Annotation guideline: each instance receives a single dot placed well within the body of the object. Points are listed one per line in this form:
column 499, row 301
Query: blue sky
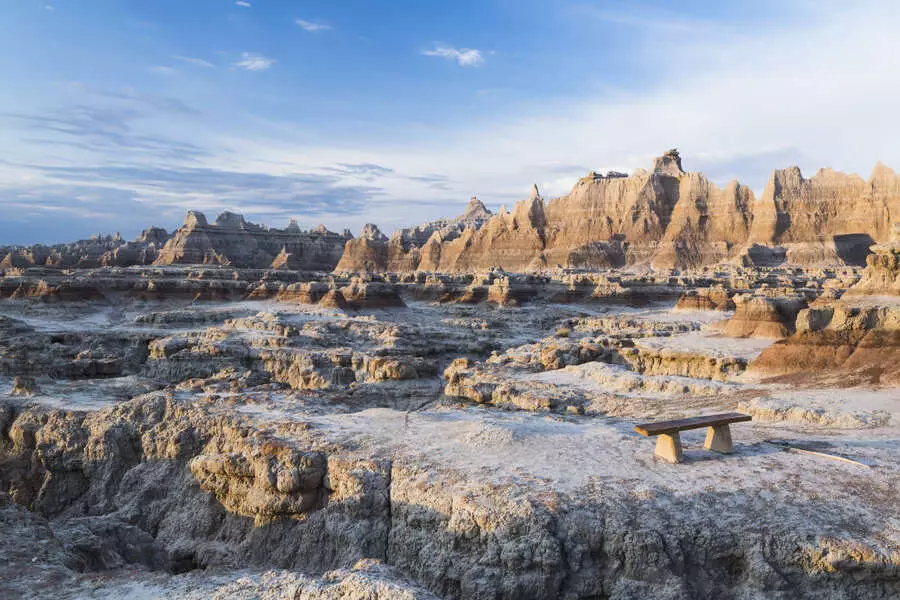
column 115, row 115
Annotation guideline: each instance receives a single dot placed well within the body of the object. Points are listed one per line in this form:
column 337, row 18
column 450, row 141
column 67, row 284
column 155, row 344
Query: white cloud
column 162, row 70
column 312, row 26
column 466, row 57
column 254, row 62
column 243, row 3
column 197, row 62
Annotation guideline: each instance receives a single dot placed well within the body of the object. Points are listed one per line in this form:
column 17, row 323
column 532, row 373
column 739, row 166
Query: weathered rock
column 842, row 344
column 231, row 240
column 882, row 273
column 665, row 218
column 765, row 313
column 714, row 298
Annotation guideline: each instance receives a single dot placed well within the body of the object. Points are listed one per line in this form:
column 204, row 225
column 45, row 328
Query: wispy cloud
column 364, row 171
column 312, row 25
column 106, row 123
column 466, row 57
column 434, row 181
column 197, row 62
column 134, row 98
column 162, row 70
column 251, row 61
column 243, row 3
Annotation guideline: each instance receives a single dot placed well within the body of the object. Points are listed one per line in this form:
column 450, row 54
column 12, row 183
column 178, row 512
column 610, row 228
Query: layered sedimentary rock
column 410, row 249
column 664, row 218
column 231, row 240
column 368, row 252
column 852, row 339
column 829, row 216
column 766, row 313
column 106, row 251
column 882, row 272
column 843, row 345
column 150, row 442
column 712, row 298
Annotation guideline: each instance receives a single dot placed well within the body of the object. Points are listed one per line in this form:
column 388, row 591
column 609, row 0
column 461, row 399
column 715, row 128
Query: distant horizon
column 119, row 114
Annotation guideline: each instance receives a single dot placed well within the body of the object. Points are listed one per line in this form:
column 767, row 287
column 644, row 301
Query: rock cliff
column 664, row 218
column 231, row 240
column 882, row 273
column 413, row 248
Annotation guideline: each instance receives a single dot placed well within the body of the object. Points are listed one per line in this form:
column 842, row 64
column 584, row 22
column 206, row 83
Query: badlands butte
column 236, row 411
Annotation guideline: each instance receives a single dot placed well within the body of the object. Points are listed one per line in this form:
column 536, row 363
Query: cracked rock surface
column 220, row 432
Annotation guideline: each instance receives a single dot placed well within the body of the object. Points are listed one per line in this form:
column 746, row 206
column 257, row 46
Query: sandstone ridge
column 664, row 218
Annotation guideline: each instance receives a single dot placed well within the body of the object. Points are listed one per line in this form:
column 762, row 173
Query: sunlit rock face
column 853, row 338
column 882, row 272
column 663, row 218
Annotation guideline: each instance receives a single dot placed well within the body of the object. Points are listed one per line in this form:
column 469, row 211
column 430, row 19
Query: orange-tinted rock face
column 767, row 313
column 882, row 273
column 664, row 218
column 850, row 344
column 714, row 298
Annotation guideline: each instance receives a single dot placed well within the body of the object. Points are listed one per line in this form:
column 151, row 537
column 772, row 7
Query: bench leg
column 718, row 439
column 668, row 447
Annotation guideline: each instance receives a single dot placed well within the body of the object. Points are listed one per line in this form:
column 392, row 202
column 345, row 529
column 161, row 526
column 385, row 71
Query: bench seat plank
column 668, row 427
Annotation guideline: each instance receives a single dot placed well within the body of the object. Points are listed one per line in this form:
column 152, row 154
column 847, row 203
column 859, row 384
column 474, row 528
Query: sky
column 120, row 114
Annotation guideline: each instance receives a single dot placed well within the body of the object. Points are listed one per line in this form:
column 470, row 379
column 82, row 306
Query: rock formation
column 106, row 251
column 455, row 426
column 154, row 436
column 766, row 313
column 231, row 240
column 843, row 344
column 663, row 218
column 882, row 272
column 711, row 298
column 409, row 249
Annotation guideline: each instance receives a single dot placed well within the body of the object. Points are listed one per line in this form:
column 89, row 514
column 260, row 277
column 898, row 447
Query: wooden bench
column 718, row 436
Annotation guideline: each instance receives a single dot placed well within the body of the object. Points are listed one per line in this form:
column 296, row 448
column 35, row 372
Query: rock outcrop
column 231, row 240
column 765, row 313
column 155, row 442
column 712, row 298
column 410, row 249
column 663, row 218
column 882, row 273
column 841, row 345
column 99, row 251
